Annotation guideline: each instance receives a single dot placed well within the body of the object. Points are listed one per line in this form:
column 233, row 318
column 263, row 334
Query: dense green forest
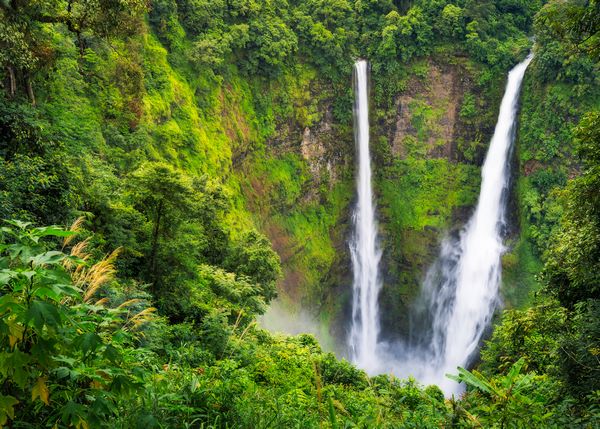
column 169, row 167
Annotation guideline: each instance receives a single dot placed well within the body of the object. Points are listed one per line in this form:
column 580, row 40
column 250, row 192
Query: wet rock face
column 300, row 196
column 317, row 151
column 427, row 120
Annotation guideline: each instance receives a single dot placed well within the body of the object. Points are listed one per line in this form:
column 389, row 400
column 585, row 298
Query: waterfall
column 478, row 269
column 460, row 292
column 363, row 246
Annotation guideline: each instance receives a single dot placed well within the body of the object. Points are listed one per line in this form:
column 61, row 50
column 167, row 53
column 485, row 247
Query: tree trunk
column 154, row 249
column 80, row 43
column 30, row 89
column 12, row 81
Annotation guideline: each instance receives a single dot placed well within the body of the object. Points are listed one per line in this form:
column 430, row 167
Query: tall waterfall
column 363, row 247
column 461, row 288
column 477, row 272
column 460, row 292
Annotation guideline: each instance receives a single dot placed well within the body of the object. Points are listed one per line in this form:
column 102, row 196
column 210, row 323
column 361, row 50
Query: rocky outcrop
column 437, row 135
column 319, row 153
column 427, row 113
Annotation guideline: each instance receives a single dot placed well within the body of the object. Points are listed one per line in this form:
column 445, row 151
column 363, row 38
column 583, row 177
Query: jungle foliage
column 148, row 122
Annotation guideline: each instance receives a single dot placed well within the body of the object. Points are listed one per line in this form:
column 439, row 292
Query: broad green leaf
column 523, row 383
column 7, row 230
column 112, row 354
column 8, row 303
column 516, row 369
column 54, row 275
column 46, row 292
column 7, row 408
column 42, row 313
column 15, row 364
column 18, row 223
column 40, row 390
column 16, row 250
column 473, row 380
column 71, row 413
column 122, row 384
column 15, row 332
column 62, row 372
column 43, row 349
column 28, row 274
column 55, row 231
column 88, row 342
column 49, row 258
column 65, row 359
column 6, row 275
column 66, row 289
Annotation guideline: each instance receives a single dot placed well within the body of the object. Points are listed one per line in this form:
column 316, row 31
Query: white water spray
column 363, row 247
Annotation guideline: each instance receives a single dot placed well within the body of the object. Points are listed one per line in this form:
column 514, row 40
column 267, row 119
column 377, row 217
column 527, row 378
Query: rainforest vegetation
column 168, row 168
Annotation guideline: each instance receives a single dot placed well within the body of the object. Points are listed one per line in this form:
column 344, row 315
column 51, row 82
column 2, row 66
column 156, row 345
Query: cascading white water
column 460, row 293
column 478, row 270
column 363, row 247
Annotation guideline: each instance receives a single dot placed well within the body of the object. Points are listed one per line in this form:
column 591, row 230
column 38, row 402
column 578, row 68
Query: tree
column 199, row 16
column 577, row 23
column 35, row 181
column 15, row 51
column 21, row 29
column 214, row 47
column 183, row 226
column 253, row 256
column 514, row 400
column 271, row 44
column 327, row 34
column 404, row 36
column 531, row 335
column 451, row 21
column 572, row 270
column 167, row 198
column 579, row 350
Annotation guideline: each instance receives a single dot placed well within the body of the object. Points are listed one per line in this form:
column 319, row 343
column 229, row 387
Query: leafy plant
column 65, row 352
column 511, row 400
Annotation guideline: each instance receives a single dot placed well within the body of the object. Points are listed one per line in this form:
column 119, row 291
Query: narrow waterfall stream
column 460, row 292
column 363, row 246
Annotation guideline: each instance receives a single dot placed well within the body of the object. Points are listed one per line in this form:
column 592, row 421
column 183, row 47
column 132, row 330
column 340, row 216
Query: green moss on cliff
column 304, row 223
column 422, row 193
